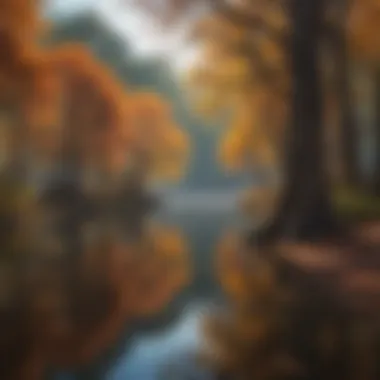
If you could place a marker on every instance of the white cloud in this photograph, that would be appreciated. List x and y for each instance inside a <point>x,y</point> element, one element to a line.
<point>145,35</point>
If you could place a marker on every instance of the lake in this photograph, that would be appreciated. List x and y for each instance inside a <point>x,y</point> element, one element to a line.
<point>162,347</point>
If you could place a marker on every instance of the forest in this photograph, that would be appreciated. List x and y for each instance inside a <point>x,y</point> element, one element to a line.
<point>291,92</point>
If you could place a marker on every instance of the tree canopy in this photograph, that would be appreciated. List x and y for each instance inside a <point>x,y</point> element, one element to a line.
<point>64,107</point>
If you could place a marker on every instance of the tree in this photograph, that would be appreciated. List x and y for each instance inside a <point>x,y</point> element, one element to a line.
<point>305,209</point>
<point>376,174</point>
<point>362,23</point>
<point>20,59</point>
<point>86,279</point>
<point>160,148</point>
<point>338,49</point>
<point>105,132</point>
<point>243,77</point>
<point>246,72</point>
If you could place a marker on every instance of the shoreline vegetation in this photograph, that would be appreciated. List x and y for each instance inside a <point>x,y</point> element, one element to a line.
<point>81,259</point>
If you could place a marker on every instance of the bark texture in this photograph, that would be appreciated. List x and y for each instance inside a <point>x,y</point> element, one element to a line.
<point>305,212</point>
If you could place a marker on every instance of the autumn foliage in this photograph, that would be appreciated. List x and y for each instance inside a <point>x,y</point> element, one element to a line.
<point>72,276</point>
<point>119,282</point>
<point>361,28</point>
<point>159,146</point>
<point>244,70</point>
<point>243,75</point>
<point>249,341</point>
<point>69,104</point>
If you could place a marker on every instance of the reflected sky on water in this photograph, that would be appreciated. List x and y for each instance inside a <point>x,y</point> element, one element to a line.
<point>163,347</point>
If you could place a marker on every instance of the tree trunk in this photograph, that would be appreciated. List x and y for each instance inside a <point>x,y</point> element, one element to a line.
<point>304,211</point>
<point>376,174</point>
<point>349,133</point>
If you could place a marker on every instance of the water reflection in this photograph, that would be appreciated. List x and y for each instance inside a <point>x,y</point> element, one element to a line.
<point>162,348</point>
<point>167,354</point>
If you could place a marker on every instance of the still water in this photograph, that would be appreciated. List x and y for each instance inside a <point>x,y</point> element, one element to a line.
<point>163,347</point>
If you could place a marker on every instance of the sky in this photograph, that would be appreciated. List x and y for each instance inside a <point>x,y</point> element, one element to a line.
<point>145,36</point>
